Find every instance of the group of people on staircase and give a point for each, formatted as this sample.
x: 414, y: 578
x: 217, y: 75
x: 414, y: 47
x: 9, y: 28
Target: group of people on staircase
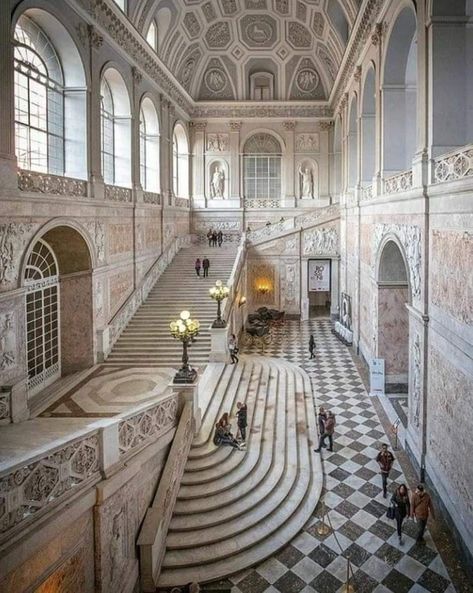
x: 223, y: 434
x: 215, y: 238
x: 204, y: 265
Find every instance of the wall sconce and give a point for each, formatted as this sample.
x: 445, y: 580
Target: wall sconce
x: 241, y: 301
x: 264, y: 287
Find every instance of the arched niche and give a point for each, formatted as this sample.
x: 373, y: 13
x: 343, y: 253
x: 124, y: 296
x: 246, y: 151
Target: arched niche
x: 399, y: 89
x: 368, y: 128
x: 57, y: 278
x: 352, y: 143
x: 218, y: 179
x: 393, y: 316
x: 307, y: 179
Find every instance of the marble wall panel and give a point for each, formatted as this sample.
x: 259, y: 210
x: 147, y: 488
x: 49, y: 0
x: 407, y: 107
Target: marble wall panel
x: 120, y: 237
x: 263, y: 274
x: 120, y: 287
x: 393, y: 330
x: 450, y: 415
x: 452, y: 273
x: 366, y: 232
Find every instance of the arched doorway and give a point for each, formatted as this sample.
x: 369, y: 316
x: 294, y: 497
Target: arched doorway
x: 393, y: 320
x: 59, y: 315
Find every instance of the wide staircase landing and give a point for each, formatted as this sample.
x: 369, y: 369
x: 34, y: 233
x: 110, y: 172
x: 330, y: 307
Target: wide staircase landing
x: 146, y: 341
x: 235, y: 508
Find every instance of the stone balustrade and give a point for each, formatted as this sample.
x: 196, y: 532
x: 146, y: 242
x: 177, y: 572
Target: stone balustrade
x: 115, y: 193
x: 260, y: 203
x: 453, y: 165
x: 152, y: 198
x: 398, y: 183
x: 57, y: 185
x: 182, y: 202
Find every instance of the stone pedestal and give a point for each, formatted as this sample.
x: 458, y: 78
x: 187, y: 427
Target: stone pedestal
x: 218, y: 347
x: 189, y: 393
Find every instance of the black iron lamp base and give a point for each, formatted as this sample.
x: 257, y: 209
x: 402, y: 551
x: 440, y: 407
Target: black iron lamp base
x: 185, y: 375
x: 219, y: 324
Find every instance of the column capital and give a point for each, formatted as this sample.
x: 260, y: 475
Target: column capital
x: 235, y: 126
x: 198, y: 126
x: 290, y: 126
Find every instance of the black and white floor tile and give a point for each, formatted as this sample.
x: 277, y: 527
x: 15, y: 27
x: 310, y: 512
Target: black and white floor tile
x: 352, y: 494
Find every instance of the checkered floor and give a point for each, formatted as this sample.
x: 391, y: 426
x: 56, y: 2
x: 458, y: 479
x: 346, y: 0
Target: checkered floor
x: 353, y: 497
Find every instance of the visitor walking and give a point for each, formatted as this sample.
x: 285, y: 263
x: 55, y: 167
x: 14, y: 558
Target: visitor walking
x: 242, y: 420
x: 402, y: 508
x: 223, y: 434
x: 219, y: 238
x: 205, y: 266
x: 329, y: 429
x: 209, y: 237
x: 321, y: 420
x: 214, y: 238
x: 197, y: 266
x: 312, y: 346
x: 233, y: 348
x: 385, y: 460
x: 421, y: 508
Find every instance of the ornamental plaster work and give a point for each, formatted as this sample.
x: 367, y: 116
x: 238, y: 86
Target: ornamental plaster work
x: 451, y: 269
x: 120, y: 238
x: 217, y: 142
x: 289, y: 286
x: 215, y: 82
x: 307, y: 143
x: 323, y: 241
x: 410, y: 238
x: 450, y: 414
x: 13, y: 239
x: 262, y: 274
x: 415, y: 401
x: 96, y: 231
x: 121, y: 285
x: 152, y: 234
x: 8, y: 342
x: 218, y: 225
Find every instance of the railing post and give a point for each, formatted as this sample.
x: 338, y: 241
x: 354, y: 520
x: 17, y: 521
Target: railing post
x: 109, y: 448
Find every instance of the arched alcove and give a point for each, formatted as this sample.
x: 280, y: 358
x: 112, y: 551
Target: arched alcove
x: 352, y: 144
x: 149, y: 146
x: 180, y: 162
x: 115, y: 116
x: 368, y: 129
x: 57, y: 277
x: 50, y: 97
x: 307, y: 176
x: 400, y: 94
x: 393, y: 319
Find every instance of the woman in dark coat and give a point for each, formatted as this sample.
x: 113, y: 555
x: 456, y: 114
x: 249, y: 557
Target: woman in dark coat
x: 402, y: 507
x: 311, y: 346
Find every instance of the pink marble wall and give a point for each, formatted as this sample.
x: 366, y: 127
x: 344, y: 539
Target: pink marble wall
x: 77, y: 330
x: 120, y: 238
x: 393, y: 330
x: 121, y: 285
x: 450, y: 426
x: 452, y: 273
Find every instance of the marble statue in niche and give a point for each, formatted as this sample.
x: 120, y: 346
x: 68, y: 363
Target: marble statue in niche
x: 306, y: 181
x: 7, y: 342
x: 217, y: 183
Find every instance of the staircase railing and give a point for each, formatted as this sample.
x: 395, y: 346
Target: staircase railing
x: 234, y: 280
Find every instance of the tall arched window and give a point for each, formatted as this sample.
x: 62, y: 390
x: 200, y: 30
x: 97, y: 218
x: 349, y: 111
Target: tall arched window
x: 262, y: 167
x: 152, y: 36
x: 180, y: 169
x: 115, y: 120
x: 149, y: 146
x: 368, y: 130
x: 352, y: 144
x: 50, y: 98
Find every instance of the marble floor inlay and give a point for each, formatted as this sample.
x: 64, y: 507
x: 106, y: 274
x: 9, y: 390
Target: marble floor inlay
x: 314, y: 563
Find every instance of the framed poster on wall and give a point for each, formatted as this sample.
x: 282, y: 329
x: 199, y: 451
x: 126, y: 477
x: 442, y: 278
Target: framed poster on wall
x: 319, y: 275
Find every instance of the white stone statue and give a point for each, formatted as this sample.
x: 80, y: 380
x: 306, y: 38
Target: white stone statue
x: 217, y: 184
x: 306, y: 182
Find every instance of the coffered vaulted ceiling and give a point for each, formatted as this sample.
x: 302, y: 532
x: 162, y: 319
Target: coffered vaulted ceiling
x: 214, y: 46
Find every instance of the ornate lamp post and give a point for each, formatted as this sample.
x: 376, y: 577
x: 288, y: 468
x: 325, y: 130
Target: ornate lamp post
x: 218, y: 293
x: 185, y: 329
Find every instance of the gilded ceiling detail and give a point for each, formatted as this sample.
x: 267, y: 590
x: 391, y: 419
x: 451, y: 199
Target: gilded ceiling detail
x: 213, y: 47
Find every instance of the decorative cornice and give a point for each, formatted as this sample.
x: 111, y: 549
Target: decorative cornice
x: 88, y: 34
x: 198, y: 126
x: 290, y: 126
x: 325, y: 126
x: 357, y: 74
x: 235, y: 126
x: 377, y: 34
x: 285, y: 110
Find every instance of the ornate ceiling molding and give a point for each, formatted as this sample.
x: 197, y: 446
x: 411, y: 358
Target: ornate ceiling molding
x: 256, y: 110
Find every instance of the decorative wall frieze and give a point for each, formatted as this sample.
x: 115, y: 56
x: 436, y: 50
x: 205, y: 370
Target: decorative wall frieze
x: 8, y: 342
x: 218, y: 225
x: 13, y: 237
x: 410, y: 237
x: 198, y: 126
x: 218, y: 142
x: 88, y: 34
x: 326, y: 126
x: 151, y: 198
x: 416, y: 381
x: 115, y: 193
x: 286, y: 110
x: 96, y: 231
x: 321, y: 242
x: 290, y: 126
x: 45, y: 183
x: 257, y: 203
x: 5, y: 406
x: 307, y: 143
x: 398, y: 183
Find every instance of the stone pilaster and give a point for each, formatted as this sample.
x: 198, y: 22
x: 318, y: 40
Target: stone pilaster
x: 93, y: 110
x: 235, y: 188
x: 289, y: 165
x: 135, y: 136
x: 197, y: 129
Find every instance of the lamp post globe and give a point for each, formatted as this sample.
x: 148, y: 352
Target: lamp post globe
x: 218, y: 293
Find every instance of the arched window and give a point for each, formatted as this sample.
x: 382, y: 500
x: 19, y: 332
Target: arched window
x: 42, y: 317
x: 149, y: 146
x: 180, y: 169
x: 353, y: 144
x: 115, y: 123
x: 262, y: 167
x: 368, y: 130
x: 152, y: 35
x: 50, y: 98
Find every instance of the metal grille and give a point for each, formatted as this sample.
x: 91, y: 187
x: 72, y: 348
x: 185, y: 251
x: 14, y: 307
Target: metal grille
x: 42, y: 318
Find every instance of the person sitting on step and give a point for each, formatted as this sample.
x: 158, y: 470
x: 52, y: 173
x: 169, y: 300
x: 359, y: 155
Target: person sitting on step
x: 223, y: 435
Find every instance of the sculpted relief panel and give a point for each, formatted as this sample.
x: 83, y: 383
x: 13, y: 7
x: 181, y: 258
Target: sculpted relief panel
x: 452, y: 277
x: 13, y: 239
x: 321, y: 242
x: 120, y: 238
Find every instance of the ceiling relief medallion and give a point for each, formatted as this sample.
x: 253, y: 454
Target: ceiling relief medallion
x: 215, y: 80
x: 258, y: 31
x: 215, y: 83
x: 307, y: 80
x: 188, y: 68
x: 209, y: 12
x: 298, y: 36
x: 218, y: 36
x: 192, y: 25
x: 229, y: 7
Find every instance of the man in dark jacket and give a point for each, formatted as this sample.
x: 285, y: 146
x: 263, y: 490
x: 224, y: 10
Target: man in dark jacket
x: 220, y: 238
x: 329, y: 429
x: 206, y: 266
x: 385, y: 460
x: 321, y: 419
x: 242, y: 420
x: 421, y: 508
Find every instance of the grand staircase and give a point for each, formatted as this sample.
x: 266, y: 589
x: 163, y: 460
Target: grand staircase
x: 235, y: 508
x: 146, y: 341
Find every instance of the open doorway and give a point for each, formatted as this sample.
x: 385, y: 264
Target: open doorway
x: 319, y: 286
